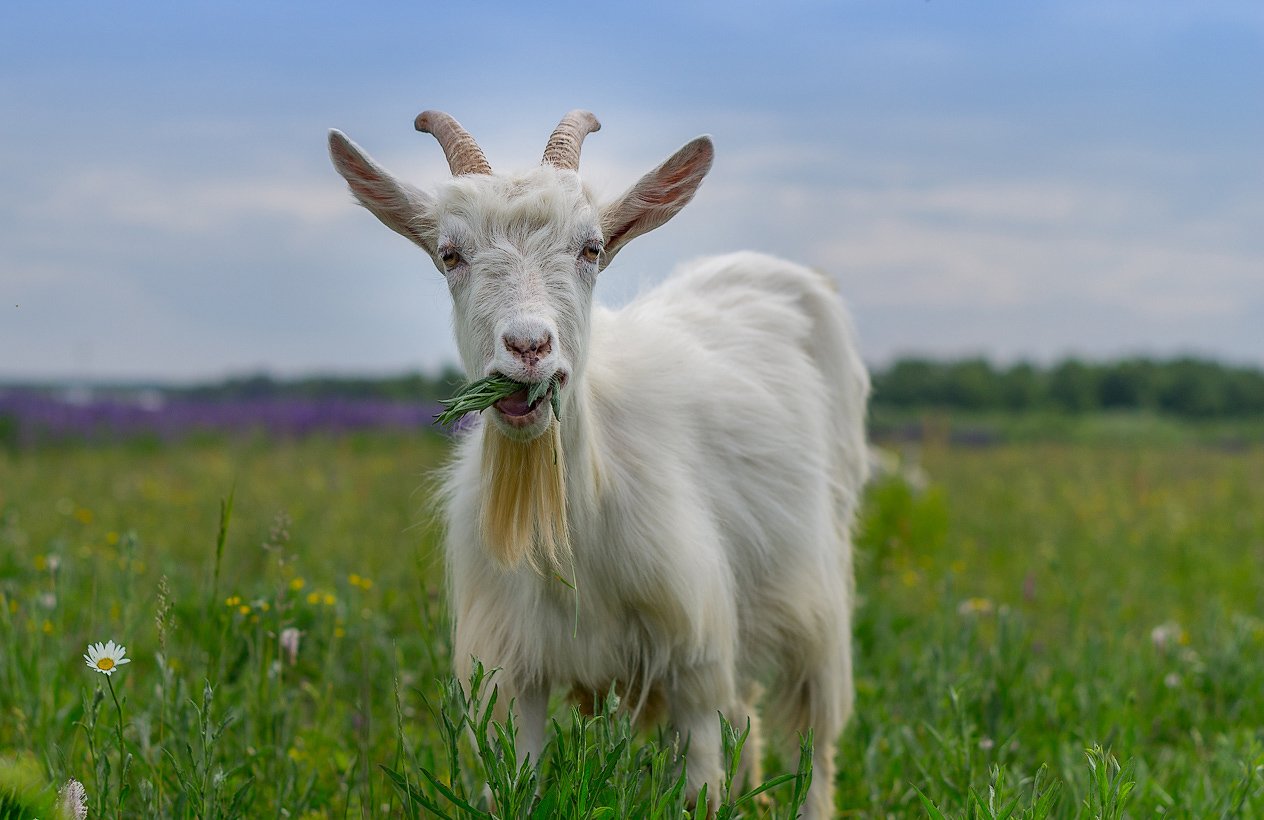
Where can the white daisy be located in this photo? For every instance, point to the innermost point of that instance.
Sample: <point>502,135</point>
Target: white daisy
<point>106,657</point>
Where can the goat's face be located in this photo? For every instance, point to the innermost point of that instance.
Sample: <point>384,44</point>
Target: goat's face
<point>521,256</point>
<point>521,253</point>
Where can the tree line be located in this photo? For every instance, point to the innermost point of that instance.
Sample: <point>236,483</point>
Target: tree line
<point>403,387</point>
<point>1186,387</point>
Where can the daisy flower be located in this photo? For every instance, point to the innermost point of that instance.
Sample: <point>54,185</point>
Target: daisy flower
<point>106,657</point>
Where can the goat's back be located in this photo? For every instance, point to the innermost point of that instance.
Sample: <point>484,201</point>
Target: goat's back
<point>744,369</point>
<point>746,339</point>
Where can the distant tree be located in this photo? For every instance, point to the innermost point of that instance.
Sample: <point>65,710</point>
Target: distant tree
<point>1195,389</point>
<point>1187,387</point>
<point>1245,391</point>
<point>971,385</point>
<point>1073,387</point>
<point>1021,387</point>
<point>910,382</point>
<point>1128,384</point>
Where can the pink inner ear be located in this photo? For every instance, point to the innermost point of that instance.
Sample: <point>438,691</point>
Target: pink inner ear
<point>365,180</point>
<point>368,184</point>
<point>659,196</point>
<point>667,184</point>
<point>372,192</point>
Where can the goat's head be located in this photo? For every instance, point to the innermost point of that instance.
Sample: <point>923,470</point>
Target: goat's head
<point>520,252</point>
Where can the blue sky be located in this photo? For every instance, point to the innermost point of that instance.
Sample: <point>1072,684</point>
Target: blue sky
<point>997,178</point>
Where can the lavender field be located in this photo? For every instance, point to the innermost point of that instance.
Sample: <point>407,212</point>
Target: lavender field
<point>35,417</point>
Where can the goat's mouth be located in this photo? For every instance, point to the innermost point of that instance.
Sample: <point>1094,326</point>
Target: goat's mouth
<point>516,406</point>
<point>518,411</point>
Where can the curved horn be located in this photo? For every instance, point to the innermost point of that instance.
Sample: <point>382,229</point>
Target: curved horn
<point>464,155</point>
<point>563,148</point>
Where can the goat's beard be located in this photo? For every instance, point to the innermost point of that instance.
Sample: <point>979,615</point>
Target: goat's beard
<point>524,499</point>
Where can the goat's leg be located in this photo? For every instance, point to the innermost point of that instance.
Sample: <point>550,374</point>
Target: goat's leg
<point>750,769</point>
<point>531,705</point>
<point>827,697</point>
<point>820,799</point>
<point>530,708</point>
<point>693,701</point>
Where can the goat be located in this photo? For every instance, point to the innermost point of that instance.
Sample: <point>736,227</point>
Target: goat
<point>682,525</point>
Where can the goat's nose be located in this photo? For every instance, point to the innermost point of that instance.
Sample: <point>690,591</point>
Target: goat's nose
<point>529,350</point>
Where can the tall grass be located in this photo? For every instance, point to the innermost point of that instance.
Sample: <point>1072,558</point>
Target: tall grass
<point>1046,631</point>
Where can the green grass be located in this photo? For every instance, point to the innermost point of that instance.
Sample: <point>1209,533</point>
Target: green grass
<point>477,396</point>
<point>1063,630</point>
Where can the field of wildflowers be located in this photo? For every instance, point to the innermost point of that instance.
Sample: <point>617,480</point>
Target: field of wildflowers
<point>30,417</point>
<point>1054,630</point>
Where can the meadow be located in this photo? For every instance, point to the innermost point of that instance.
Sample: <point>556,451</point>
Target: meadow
<point>1060,629</point>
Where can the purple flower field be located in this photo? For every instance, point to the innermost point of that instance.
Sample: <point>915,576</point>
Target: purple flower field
<point>31,417</point>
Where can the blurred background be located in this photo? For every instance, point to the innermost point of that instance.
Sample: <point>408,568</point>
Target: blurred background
<point>992,184</point>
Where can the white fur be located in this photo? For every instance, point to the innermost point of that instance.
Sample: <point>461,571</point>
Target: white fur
<point>712,434</point>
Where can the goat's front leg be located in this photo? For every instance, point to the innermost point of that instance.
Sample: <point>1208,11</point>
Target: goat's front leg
<point>530,707</point>
<point>694,703</point>
<point>531,704</point>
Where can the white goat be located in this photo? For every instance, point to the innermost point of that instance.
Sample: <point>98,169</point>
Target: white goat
<point>699,487</point>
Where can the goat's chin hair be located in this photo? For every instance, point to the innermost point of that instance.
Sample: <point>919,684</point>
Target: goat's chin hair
<point>524,499</point>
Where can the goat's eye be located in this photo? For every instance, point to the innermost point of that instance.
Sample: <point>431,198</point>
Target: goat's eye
<point>450,258</point>
<point>591,252</point>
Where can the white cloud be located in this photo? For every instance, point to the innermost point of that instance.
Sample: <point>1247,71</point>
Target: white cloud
<point>133,198</point>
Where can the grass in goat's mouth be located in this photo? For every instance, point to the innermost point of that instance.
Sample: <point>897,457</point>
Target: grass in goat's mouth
<point>477,396</point>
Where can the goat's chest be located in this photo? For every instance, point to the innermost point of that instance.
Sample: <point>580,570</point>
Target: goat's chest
<point>611,626</point>
<point>591,635</point>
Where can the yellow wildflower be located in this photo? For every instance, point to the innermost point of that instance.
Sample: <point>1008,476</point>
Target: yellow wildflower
<point>975,606</point>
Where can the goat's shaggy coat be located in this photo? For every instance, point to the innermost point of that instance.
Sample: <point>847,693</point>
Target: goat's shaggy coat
<point>709,459</point>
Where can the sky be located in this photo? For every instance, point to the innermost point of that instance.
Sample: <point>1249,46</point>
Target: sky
<point>1010,180</point>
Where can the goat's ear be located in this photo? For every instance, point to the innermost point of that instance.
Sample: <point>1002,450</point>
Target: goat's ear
<point>401,207</point>
<point>656,197</point>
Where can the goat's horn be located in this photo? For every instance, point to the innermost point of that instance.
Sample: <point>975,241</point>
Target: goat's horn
<point>563,148</point>
<point>464,155</point>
